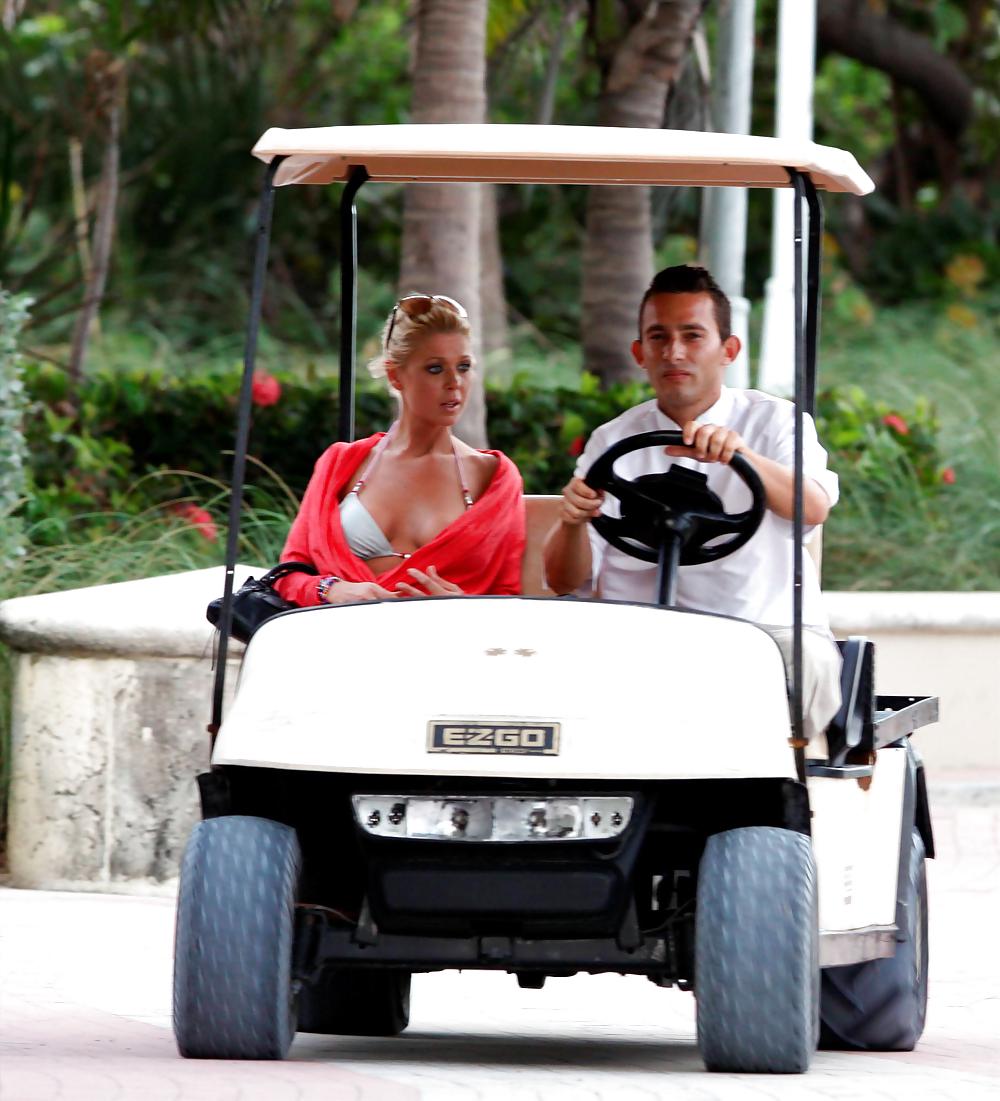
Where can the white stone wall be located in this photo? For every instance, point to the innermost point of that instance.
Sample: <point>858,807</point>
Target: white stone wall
<point>936,644</point>
<point>112,697</point>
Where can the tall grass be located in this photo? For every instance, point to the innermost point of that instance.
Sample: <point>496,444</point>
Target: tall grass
<point>905,539</point>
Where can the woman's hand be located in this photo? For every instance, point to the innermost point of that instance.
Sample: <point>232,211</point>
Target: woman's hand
<point>352,592</point>
<point>433,584</point>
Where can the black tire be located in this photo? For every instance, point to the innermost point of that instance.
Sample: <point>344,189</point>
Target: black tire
<point>880,1005</point>
<point>233,946</point>
<point>356,1003</point>
<point>757,952</point>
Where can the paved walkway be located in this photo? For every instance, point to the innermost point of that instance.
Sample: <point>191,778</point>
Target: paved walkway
<point>85,1011</point>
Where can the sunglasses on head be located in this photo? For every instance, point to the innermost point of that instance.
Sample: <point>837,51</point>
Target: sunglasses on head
<point>413,305</point>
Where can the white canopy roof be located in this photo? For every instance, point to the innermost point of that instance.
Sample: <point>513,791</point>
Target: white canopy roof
<point>495,153</point>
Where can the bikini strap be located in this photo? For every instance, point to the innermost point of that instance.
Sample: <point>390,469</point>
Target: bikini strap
<point>376,454</point>
<point>466,495</point>
<point>379,450</point>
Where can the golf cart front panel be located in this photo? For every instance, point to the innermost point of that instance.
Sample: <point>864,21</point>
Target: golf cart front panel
<point>504,686</point>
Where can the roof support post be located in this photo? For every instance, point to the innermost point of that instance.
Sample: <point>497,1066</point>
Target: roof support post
<point>264,213</point>
<point>798,526</point>
<point>815,258</point>
<point>348,301</point>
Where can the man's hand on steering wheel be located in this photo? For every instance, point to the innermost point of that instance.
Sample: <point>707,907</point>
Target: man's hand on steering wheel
<point>708,443</point>
<point>580,503</point>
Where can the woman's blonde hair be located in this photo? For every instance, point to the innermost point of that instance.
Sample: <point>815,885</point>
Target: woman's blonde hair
<point>407,331</point>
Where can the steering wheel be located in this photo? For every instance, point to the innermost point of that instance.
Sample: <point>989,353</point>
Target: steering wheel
<point>657,509</point>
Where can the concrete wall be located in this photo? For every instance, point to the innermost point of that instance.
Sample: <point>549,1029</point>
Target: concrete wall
<point>113,686</point>
<point>936,644</point>
<point>112,695</point>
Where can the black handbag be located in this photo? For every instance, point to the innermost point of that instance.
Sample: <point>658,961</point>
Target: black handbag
<point>256,600</point>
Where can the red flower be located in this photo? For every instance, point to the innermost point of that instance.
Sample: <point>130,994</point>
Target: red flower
<point>576,446</point>
<point>896,422</point>
<point>948,476</point>
<point>266,389</point>
<point>200,519</point>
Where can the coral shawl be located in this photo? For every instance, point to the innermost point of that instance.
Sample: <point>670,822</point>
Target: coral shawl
<point>480,551</point>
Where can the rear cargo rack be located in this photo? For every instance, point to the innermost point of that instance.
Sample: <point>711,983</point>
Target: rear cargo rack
<point>898,716</point>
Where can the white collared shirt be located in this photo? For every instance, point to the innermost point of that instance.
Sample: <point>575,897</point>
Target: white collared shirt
<point>753,583</point>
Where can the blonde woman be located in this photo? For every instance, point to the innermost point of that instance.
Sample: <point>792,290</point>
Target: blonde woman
<point>413,511</point>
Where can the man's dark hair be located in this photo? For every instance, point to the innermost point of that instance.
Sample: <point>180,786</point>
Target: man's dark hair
<point>690,279</point>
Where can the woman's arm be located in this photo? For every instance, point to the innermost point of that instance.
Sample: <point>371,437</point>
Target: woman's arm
<point>300,588</point>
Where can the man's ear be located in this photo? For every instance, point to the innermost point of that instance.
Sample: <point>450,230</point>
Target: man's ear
<point>732,347</point>
<point>637,353</point>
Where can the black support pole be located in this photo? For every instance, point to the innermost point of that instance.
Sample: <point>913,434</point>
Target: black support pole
<point>815,257</point>
<point>798,526</point>
<point>243,436</point>
<point>348,301</point>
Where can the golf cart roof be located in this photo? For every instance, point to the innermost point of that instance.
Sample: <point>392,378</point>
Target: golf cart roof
<point>500,153</point>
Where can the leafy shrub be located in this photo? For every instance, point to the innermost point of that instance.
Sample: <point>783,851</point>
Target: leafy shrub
<point>143,455</point>
<point>880,447</point>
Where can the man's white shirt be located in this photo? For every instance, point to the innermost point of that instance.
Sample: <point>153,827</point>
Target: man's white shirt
<point>753,583</point>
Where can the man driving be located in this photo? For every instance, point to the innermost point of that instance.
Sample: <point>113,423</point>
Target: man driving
<point>684,345</point>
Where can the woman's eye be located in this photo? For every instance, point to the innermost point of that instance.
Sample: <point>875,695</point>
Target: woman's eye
<point>434,368</point>
<point>463,367</point>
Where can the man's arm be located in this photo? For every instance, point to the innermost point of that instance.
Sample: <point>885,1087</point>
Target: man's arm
<point>714,443</point>
<point>566,553</point>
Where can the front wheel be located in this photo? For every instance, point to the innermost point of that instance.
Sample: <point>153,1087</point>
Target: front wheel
<point>757,952</point>
<point>233,947</point>
<point>880,1005</point>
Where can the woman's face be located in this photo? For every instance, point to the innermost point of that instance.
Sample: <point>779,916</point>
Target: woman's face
<point>434,379</point>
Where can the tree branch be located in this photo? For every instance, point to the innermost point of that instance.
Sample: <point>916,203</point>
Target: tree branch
<point>855,30</point>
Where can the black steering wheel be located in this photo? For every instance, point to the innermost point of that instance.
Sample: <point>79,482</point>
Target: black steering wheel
<point>675,509</point>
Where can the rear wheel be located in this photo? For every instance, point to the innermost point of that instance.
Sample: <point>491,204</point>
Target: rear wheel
<point>756,951</point>
<point>356,1003</point>
<point>880,1005</point>
<point>233,946</point>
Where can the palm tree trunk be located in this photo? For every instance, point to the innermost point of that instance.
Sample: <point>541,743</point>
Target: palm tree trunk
<point>441,222</point>
<point>109,75</point>
<point>618,249</point>
<point>492,298</point>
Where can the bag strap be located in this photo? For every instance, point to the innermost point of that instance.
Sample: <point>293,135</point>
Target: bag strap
<point>283,569</point>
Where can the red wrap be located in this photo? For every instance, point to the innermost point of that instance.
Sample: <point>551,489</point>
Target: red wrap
<point>480,551</point>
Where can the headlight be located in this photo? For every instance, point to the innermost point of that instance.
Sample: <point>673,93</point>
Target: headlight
<point>494,817</point>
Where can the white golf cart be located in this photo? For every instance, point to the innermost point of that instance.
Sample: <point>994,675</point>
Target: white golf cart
<point>364,820</point>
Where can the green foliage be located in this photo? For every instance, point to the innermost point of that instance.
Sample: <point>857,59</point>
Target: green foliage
<point>879,448</point>
<point>13,451</point>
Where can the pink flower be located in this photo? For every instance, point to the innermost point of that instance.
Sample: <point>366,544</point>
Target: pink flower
<point>200,519</point>
<point>266,389</point>
<point>896,423</point>
<point>576,446</point>
<point>948,476</point>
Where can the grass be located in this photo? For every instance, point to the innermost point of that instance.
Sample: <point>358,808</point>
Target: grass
<point>908,540</point>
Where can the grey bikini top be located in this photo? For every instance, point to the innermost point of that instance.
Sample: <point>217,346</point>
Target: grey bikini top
<point>364,537</point>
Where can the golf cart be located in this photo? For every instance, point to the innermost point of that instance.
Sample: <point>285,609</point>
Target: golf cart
<point>356,831</point>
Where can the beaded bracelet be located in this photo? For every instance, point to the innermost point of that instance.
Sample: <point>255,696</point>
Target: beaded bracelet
<point>324,585</point>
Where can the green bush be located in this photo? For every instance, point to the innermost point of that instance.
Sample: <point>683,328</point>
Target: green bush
<point>138,462</point>
<point>880,448</point>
